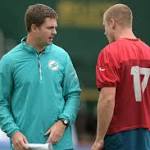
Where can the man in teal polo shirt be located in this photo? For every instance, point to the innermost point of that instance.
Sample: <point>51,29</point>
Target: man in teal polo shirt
<point>39,88</point>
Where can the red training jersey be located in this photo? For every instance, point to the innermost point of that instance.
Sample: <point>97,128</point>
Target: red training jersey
<point>125,64</point>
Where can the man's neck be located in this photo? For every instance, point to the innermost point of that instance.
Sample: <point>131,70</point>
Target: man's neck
<point>33,42</point>
<point>125,33</point>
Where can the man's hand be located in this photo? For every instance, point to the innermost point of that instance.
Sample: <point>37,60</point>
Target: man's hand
<point>19,141</point>
<point>98,145</point>
<point>55,132</point>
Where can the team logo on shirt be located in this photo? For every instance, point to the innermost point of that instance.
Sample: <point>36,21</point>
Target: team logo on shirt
<point>53,65</point>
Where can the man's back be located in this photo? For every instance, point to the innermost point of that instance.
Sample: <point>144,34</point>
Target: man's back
<point>130,60</point>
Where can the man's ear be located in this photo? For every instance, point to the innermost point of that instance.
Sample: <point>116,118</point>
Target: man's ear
<point>33,28</point>
<point>112,23</point>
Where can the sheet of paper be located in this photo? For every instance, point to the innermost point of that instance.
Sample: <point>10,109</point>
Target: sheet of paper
<point>36,146</point>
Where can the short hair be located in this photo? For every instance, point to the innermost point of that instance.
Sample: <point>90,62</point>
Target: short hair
<point>36,14</point>
<point>121,13</point>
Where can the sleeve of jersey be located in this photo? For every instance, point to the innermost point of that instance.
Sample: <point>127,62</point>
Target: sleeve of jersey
<point>71,92</point>
<point>7,123</point>
<point>107,74</point>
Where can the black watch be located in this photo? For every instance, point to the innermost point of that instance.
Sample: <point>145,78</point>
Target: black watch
<point>65,122</point>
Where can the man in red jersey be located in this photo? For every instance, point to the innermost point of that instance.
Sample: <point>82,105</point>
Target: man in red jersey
<point>123,78</point>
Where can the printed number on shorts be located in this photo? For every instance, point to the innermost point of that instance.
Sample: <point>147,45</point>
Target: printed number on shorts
<point>140,86</point>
